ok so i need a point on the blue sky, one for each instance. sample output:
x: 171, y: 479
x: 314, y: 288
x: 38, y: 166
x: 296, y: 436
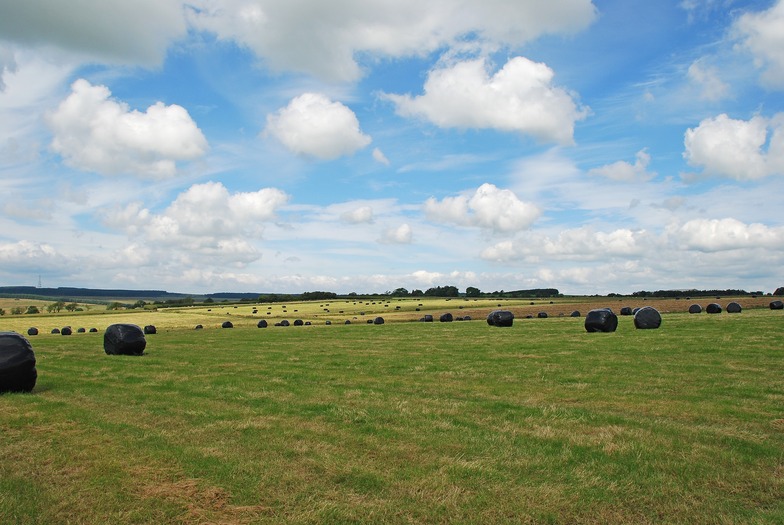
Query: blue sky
x: 367, y: 145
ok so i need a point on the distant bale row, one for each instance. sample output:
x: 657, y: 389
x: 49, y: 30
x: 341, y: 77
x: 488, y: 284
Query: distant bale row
x: 66, y: 330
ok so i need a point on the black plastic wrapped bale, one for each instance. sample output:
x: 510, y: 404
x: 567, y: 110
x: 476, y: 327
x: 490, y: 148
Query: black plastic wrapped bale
x: 713, y: 308
x: 198, y: 327
x: 427, y: 318
x: 601, y: 320
x: 66, y: 330
x: 734, y: 308
x: 695, y: 309
x: 93, y: 330
x: 17, y: 363
x: 150, y: 329
x: 542, y: 315
x: 285, y: 323
x: 227, y: 324
x: 446, y: 318
x: 576, y: 313
x: 299, y: 322
x: 777, y: 305
x: 80, y: 330
x: 124, y: 339
x: 262, y: 323
x: 500, y: 318
x: 34, y: 331
x: 55, y: 330
x: 378, y: 320
x: 647, y: 318
x: 626, y: 310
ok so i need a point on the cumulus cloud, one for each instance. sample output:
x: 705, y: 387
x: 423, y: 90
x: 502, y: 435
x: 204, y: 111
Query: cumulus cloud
x: 712, y: 88
x: 762, y: 33
x: 623, y: 171
x: 95, y: 133
x: 735, y: 148
x: 363, y: 214
x: 713, y: 235
x: 314, y: 126
x: 31, y: 256
x: 489, y: 207
x: 325, y: 38
x: 399, y: 235
x: 518, y: 98
x: 205, y: 220
x: 136, y: 32
x: 572, y: 244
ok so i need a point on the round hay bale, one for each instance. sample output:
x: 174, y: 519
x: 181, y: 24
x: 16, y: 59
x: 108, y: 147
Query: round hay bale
x: 93, y: 330
x: 124, y: 339
x: 198, y: 327
x: 227, y: 324
x: 503, y: 318
x: 347, y: 321
x: 378, y: 320
x: 80, y: 330
x: 542, y: 315
x: 285, y: 323
x: 298, y: 322
x: 55, y: 330
x: 446, y: 318
x: 695, y: 309
x: 262, y: 324
x: 734, y: 308
x: 34, y: 331
x: 576, y: 313
x: 777, y: 305
x: 647, y: 318
x: 150, y: 329
x: 467, y: 318
x: 626, y: 310
x: 370, y: 321
x: 713, y: 308
x: 328, y: 323
x: 66, y: 330
x: 17, y: 363
x: 601, y: 320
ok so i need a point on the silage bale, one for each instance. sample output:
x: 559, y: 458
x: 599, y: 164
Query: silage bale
x: 601, y: 320
x: 262, y: 324
x: 378, y: 320
x: 576, y: 313
x: 647, y: 318
x: 503, y: 318
x: 542, y: 315
x: 713, y: 308
x: 150, y: 329
x: 227, y: 324
x: 626, y: 310
x: 446, y: 318
x: 66, y: 330
x: 124, y: 339
x: 734, y: 308
x: 17, y: 363
x: 32, y: 331
x: 695, y: 309
x: 777, y: 305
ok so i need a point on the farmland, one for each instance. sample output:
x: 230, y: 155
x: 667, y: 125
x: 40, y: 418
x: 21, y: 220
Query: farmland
x: 404, y: 422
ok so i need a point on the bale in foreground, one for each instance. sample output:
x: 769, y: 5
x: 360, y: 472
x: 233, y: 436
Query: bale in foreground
x: 601, y: 320
x: 124, y: 339
x: 17, y: 363
x: 500, y: 318
x: 647, y: 317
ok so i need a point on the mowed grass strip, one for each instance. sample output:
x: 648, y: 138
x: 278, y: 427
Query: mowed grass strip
x: 406, y: 422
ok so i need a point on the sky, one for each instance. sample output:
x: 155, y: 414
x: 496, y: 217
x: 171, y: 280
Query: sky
x: 368, y: 145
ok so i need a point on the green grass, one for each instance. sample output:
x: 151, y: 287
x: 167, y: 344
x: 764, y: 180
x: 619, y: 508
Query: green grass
x: 405, y: 423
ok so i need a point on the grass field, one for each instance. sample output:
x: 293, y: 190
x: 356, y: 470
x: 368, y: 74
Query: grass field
x: 399, y: 423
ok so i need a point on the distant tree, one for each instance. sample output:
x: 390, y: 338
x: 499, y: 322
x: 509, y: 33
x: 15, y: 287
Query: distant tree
x: 2, y: 311
x: 442, y: 291
x: 55, y: 307
x: 472, y: 291
x: 417, y: 293
x: 399, y: 292
x: 139, y: 304
x: 210, y: 300
x: 32, y: 310
x: 114, y: 306
x: 71, y: 307
x: 17, y: 310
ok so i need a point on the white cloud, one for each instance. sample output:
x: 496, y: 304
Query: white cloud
x: 314, y: 126
x: 713, y: 235
x: 379, y: 157
x: 712, y: 88
x: 489, y: 207
x: 734, y: 148
x: 519, y: 98
x: 205, y: 221
x: 762, y: 34
x: 360, y: 215
x: 136, y: 32
x: 399, y: 235
x: 95, y: 133
x: 31, y: 256
x: 622, y: 171
x: 324, y: 38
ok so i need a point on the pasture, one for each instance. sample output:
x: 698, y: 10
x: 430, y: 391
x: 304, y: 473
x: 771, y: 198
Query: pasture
x: 404, y: 422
